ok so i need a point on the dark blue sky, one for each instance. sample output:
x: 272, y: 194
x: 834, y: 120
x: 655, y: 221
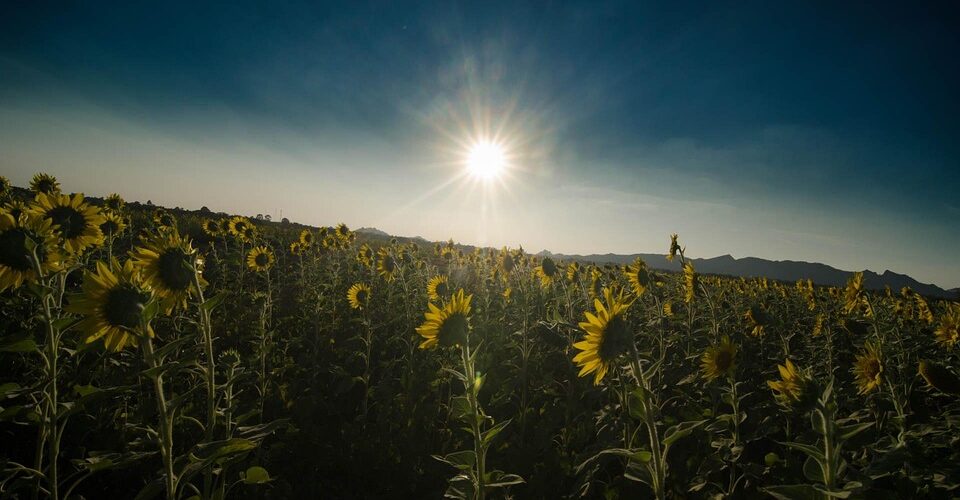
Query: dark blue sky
x: 810, y: 131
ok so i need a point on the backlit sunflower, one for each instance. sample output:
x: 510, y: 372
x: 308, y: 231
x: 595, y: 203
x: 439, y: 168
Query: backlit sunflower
x: 719, y: 360
x: 939, y: 377
x: 166, y: 262
x: 112, y: 304
x: 853, y: 297
x: 690, y: 280
x: 607, y: 336
x: 359, y: 295
x: 76, y: 222
x: 792, y: 386
x: 547, y: 271
x: 438, y: 288
x: 114, y: 202
x: 757, y: 320
x: 948, y: 331
x: 447, y: 326
x: 44, y: 183
x: 868, y: 369
x: 16, y: 266
x: 507, y: 262
x: 306, y: 237
x: 386, y: 264
x: 113, y: 225
x: 260, y: 259
x: 639, y: 276
x: 212, y: 228
x: 164, y: 219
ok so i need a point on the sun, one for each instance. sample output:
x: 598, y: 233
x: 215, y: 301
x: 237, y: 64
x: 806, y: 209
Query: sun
x: 486, y: 160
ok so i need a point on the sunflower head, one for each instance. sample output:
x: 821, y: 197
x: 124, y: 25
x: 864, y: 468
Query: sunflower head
x: 306, y: 237
x: 213, y: 228
x: 167, y: 263
x: 114, y: 202
x: 386, y: 264
x: 21, y: 239
x: 573, y: 272
x: 853, y: 297
x: 639, y: 276
x: 794, y: 386
x: 75, y: 222
x: 238, y: 227
x: 719, y: 360
x: 358, y: 296
x: 674, y: 247
x: 260, y: 259
x: 507, y: 262
x: 948, y: 330
x: 447, y: 326
x: 438, y: 288
x: 113, y: 225
x: 757, y: 320
x: 164, y: 219
x: 297, y: 248
x: 939, y: 377
x: 5, y: 187
x: 607, y: 336
x: 547, y: 271
x: 868, y: 369
x: 690, y: 280
x: 44, y: 183
x: 342, y: 232
x: 112, y: 304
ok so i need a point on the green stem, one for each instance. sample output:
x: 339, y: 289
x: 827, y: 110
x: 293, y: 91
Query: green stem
x: 166, y: 420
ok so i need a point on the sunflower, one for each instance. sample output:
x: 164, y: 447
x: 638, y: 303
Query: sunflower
x: 297, y: 248
x: 15, y: 208
x: 238, y: 227
x: 114, y: 202
x: 948, y: 331
x: 342, y: 232
x: 607, y: 336
x: 690, y: 279
x: 113, y: 225
x: 674, y: 248
x: 260, y: 259
x: 868, y: 369
x: 573, y: 272
x: 438, y: 288
x: 163, y: 218
x: 596, y: 283
x: 44, y: 183
x: 668, y: 309
x: 5, y: 187
x: 507, y: 262
x: 167, y: 262
x: 792, y: 386
x: 757, y: 320
x: 76, y: 222
x: 212, y: 228
x: 507, y: 295
x: 639, y: 276
x: 386, y: 264
x: 447, y: 326
x: 359, y: 295
x: 853, y: 297
x: 719, y: 360
x: 225, y: 226
x: 547, y: 271
x: 819, y: 324
x: 306, y: 238
x: 112, y: 305
x: 939, y: 377
x: 250, y: 234
x: 16, y: 265
x: 365, y: 255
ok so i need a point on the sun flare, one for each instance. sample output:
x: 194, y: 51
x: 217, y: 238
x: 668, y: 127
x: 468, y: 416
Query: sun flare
x: 486, y: 160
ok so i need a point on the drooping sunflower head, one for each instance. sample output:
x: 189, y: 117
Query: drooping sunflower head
x: 507, y: 262
x: 607, y: 336
x: 639, y: 276
x: 674, y: 247
x: 868, y: 369
x: 757, y: 320
x: 386, y: 264
x: 212, y: 228
x: 306, y: 237
x: 365, y: 255
x: 260, y: 259
x: 793, y: 387
x: 719, y: 360
x: 438, y: 288
x: 691, y: 280
x: 112, y: 305
x: 17, y: 236
x: 853, y: 296
x: 113, y: 225
x: 447, y: 326
x: 167, y: 262
x: 114, y: 202
x: 573, y: 272
x: 75, y: 222
x: 547, y: 271
x: 948, y: 331
x: 358, y: 295
x: 44, y: 183
x: 939, y: 377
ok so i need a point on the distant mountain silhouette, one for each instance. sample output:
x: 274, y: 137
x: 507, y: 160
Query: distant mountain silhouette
x: 785, y: 270
x: 373, y: 231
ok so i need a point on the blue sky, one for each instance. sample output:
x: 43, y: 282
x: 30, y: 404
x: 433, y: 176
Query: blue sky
x: 805, y: 131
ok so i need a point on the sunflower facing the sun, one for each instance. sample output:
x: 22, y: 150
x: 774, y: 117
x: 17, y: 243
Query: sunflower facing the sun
x: 386, y: 264
x: 16, y: 261
x: 260, y: 259
x: 608, y: 336
x: 76, y: 222
x: 438, y: 288
x: 639, y: 276
x: 447, y: 326
x: 112, y: 305
x: 167, y: 263
x: 358, y: 295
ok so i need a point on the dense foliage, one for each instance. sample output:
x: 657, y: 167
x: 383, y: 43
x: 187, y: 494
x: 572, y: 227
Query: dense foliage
x: 167, y: 353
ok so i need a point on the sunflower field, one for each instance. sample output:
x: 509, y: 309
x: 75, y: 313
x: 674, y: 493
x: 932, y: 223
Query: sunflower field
x: 153, y: 353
